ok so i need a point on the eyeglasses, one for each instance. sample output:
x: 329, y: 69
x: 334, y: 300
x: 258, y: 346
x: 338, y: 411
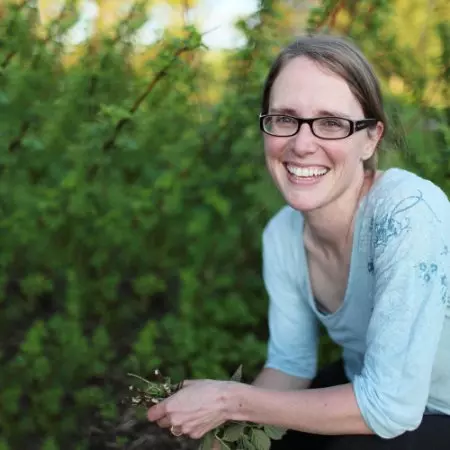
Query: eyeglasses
x: 283, y: 125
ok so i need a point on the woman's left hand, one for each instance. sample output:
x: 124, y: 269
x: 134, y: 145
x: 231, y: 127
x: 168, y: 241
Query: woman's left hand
x: 197, y: 408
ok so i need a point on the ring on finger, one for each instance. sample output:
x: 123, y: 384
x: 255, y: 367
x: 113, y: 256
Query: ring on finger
x: 176, y: 431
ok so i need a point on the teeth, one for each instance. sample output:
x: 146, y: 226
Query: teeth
x: 306, y: 171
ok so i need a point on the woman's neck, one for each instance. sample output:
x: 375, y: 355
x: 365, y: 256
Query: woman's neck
x: 331, y: 228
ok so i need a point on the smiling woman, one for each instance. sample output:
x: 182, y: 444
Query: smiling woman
x: 303, y: 87
x: 362, y: 251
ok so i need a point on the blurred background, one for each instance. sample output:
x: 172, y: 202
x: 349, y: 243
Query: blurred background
x: 134, y: 192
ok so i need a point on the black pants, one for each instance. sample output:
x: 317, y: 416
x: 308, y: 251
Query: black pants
x: 432, y: 434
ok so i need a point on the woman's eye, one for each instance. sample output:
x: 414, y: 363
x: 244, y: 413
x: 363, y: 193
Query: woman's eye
x: 284, y: 120
x: 332, y: 124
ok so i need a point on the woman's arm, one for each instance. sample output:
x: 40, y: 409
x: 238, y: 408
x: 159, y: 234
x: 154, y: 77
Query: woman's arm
x: 293, y: 327
x: 331, y: 410
x: 270, y: 378
x: 203, y: 405
x: 410, y: 269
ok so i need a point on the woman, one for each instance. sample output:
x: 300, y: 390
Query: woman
x: 364, y: 252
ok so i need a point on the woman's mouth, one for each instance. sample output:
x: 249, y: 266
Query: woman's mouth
x: 305, y: 174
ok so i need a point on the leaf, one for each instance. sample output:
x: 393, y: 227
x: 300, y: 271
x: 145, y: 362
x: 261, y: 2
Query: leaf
x: 207, y: 441
x: 260, y: 440
x: 115, y: 112
x: 237, y: 376
x: 273, y: 432
x: 248, y: 443
x: 233, y: 432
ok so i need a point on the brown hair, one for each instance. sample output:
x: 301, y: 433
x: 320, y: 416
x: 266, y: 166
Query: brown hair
x: 344, y: 59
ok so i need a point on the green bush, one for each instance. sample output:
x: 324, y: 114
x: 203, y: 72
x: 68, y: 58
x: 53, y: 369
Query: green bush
x: 131, y: 218
x: 131, y: 221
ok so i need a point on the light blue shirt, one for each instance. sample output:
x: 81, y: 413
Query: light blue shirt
x: 394, y: 322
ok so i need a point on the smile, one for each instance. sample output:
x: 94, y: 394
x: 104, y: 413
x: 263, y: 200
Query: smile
x: 306, y: 172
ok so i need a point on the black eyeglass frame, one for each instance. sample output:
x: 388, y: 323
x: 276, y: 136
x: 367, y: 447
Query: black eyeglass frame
x: 355, y: 125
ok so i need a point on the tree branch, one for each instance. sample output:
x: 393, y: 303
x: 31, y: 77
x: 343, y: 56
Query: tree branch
x: 17, y: 141
x: 353, y: 12
x: 8, y: 59
x: 331, y: 16
x: 159, y: 75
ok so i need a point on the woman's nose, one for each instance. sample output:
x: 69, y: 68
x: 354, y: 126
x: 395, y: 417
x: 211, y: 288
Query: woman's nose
x: 304, y: 141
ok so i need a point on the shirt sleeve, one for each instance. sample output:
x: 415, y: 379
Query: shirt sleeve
x: 411, y: 266
x: 292, y: 346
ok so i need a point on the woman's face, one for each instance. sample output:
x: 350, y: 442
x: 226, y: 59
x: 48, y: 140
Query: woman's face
x: 311, y: 172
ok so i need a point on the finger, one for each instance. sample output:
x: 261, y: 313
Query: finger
x: 196, y: 428
x: 164, y: 422
x: 156, y: 412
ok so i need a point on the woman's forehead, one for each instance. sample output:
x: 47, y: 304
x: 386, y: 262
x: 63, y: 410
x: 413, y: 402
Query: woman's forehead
x: 303, y: 84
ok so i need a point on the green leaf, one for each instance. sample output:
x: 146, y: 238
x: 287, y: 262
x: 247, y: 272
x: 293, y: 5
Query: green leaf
x: 207, y: 441
x: 237, y: 376
x: 233, y: 432
x: 248, y: 443
x: 260, y: 440
x: 4, y: 99
x: 115, y: 112
x: 273, y: 432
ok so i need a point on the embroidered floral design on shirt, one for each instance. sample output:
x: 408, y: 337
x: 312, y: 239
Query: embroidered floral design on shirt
x: 445, y: 291
x: 390, y: 225
x: 393, y: 224
x: 386, y: 228
x: 444, y: 281
x: 427, y: 271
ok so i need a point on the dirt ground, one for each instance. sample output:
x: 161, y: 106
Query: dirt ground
x: 152, y: 438
x: 131, y: 434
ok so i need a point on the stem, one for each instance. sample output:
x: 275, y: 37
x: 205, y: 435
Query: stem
x: 139, y: 378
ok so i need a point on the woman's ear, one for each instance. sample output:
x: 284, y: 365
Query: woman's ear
x: 375, y: 134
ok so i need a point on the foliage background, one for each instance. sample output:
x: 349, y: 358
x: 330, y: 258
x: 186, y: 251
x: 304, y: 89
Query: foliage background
x: 134, y: 194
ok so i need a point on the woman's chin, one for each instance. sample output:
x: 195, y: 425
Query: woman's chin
x: 302, y: 194
x: 303, y: 201
x: 303, y: 205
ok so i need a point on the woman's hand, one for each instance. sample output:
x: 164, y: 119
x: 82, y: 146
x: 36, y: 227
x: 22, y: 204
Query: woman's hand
x: 197, y: 408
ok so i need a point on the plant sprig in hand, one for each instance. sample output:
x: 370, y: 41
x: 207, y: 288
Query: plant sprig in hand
x: 231, y: 435
x: 153, y: 392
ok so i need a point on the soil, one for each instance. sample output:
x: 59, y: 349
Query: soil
x: 138, y: 435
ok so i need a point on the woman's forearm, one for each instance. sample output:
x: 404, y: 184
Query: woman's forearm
x: 331, y: 410
x: 274, y: 379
